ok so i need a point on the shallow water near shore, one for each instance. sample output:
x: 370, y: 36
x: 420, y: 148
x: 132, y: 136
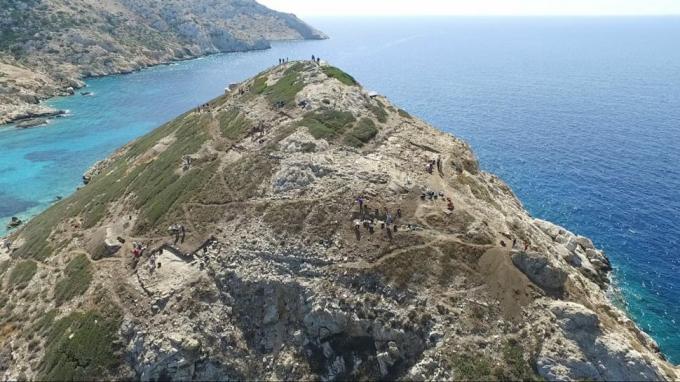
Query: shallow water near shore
x: 581, y: 116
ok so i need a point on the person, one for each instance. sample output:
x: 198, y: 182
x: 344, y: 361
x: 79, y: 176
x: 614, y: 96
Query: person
x: 7, y: 244
x: 183, y: 231
x: 399, y: 213
x: 389, y: 233
x: 313, y: 58
x: 388, y: 219
x: 502, y: 244
x: 514, y: 243
x: 357, y: 231
x: 428, y: 167
x: 318, y: 60
x: 174, y: 230
x: 449, y: 206
x: 152, y: 263
x: 360, y: 201
x: 526, y: 246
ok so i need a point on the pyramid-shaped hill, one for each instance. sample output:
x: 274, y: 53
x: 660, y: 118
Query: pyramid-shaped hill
x: 300, y: 227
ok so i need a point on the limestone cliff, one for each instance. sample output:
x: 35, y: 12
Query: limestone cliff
x: 48, y: 46
x: 272, y: 269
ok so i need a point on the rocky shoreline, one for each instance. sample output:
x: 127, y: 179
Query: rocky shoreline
x: 47, y: 55
x: 13, y: 114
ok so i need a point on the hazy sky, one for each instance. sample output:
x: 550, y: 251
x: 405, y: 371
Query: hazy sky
x: 475, y: 7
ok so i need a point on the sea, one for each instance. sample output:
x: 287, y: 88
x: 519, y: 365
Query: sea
x: 581, y: 116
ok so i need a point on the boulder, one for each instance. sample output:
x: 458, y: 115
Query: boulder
x: 541, y: 271
x: 584, y: 242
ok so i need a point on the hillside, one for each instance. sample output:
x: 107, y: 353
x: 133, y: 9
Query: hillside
x: 279, y: 273
x: 48, y: 46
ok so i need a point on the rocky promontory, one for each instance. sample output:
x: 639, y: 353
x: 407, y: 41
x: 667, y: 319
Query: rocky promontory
x: 48, y: 46
x: 300, y: 228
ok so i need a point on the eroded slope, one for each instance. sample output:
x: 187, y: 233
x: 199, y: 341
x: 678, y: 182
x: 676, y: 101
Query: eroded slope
x: 279, y: 274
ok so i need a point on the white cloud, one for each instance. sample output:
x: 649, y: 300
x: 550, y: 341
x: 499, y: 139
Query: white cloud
x: 474, y: 7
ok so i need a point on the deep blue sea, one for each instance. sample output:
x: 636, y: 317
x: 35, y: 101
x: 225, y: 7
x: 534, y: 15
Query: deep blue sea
x: 581, y: 116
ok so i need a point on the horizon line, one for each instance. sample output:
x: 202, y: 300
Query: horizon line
x: 496, y: 15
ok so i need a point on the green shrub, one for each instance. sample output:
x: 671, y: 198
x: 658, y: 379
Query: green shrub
x: 404, y: 113
x: 76, y: 281
x: 338, y: 74
x: 81, y: 346
x: 327, y: 123
x: 22, y: 273
x: 364, y: 131
x: 470, y: 367
x: 45, y: 322
x: 287, y: 87
x: 516, y: 367
x: 379, y: 112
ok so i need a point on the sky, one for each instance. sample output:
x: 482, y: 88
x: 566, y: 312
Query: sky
x: 474, y: 7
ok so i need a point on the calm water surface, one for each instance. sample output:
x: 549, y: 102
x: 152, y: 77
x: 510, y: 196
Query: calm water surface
x: 580, y: 116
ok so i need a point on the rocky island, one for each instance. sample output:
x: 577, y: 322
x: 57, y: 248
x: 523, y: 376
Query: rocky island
x: 297, y: 228
x: 48, y: 46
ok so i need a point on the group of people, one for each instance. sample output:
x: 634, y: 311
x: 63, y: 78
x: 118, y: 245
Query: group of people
x: 315, y: 59
x: 137, y: 252
x: 369, y: 219
x: 429, y: 167
x: 204, y: 107
x: 514, y: 244
x: 178, y: 231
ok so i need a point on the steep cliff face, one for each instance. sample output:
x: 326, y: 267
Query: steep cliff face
x: 274, y: 271
x: 47, y: 46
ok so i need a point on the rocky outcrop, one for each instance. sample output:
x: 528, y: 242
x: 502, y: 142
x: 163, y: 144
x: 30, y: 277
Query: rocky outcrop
x: 279, y: 273
x: 583, y: 350
x: 47, y: 47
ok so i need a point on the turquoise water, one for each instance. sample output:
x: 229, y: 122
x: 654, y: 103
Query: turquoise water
x: 580, y: 116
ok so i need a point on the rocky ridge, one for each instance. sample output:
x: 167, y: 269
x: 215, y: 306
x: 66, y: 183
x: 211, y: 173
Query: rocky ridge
x: 48, y: 46
x: 273, y: 271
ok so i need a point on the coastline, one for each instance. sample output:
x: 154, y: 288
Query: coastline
x: 571, y: 272
x: 170, y: 63
x: 29, y: 111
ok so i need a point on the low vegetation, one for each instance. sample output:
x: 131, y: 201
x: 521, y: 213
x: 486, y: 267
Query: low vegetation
x: 327, y: 123
x: 470, y: 367
x: 517, y: 368
x: 4, y: 265
x: 286, y: 88
x: 260, y: 84
x: 148, y: 181
x: 341, y: 76
x: 80, y: 346
x: 362, y: 133
x: 44, y: 323
x: 22, y: 274
x: 76, y: 281
x: 233, y: 125
x: 379, y: 111
x: 404, y: 113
